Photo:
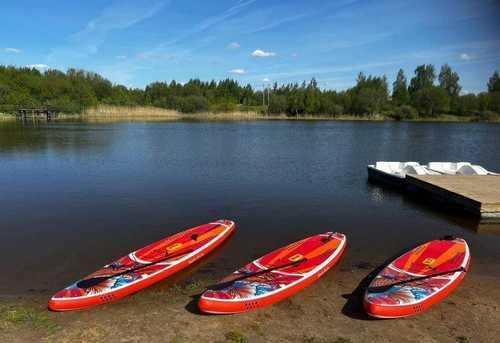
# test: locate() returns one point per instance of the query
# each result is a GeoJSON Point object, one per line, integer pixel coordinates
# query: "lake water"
{"type": "Point", "coordinates": [74, 196]}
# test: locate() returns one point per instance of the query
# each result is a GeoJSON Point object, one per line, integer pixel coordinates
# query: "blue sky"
{"type": "Point", "coordinates": [135, 42]}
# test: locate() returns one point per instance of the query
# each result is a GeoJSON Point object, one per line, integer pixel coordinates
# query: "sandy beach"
{"type": "Point", "coordinates": [328, 311]}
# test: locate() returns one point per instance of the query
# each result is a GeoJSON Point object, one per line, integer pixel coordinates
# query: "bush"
{"type": "Point", "coordinates": [191, 104]}
{"type": "Point", "coordinates": [224, 107]}
{"type": "Point", "coordinates": [404, 112]}
{"type": "Point", "coordinates": [489, 115]}
{"type": "Point", "coordinates": [329, 107]}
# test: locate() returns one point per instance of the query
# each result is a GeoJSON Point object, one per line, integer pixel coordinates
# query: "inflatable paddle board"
{"type": "Point", "coordinates": [143, 267]}
{"type": "Point", "coordinates": [275, 276]}
{"type": "Point", "coordinates": [389, 295]}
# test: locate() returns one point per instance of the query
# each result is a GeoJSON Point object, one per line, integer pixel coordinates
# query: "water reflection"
{"type": "Point", "coordinates": [76, 195]}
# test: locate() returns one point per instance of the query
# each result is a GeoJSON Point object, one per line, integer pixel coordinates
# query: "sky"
{"type": "Point", "coordinates": [136, 42]}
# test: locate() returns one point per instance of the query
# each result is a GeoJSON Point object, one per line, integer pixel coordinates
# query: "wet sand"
{"type": "Point", "coordinates": [327, 311]}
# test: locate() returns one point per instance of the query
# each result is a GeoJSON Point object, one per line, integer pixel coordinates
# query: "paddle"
{"type": "Point", "coordinates": [87, 283]}
{"type": "Point", "coordinates": [380, 289]}
{"type": "Point", "coordinates": [223, 285]}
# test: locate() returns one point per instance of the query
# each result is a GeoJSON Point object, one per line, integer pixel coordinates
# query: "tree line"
{"type": "Point", "coordinates": [426, 94]}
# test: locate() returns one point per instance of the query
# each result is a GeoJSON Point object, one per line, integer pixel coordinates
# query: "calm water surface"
{"type": "Point", "coordinates": [74, 196]}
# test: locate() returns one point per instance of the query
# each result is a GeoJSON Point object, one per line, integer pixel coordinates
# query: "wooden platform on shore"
{"type": "Point", "coordinates": [477, 194]}
{"type": "Point", "coordinates": [37, 113]}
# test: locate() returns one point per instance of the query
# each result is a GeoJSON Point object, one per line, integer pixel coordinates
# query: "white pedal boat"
{"type": "Point", "coordinates": [394, 173]}
{"type": "Point", "coordinates": [458, 168]}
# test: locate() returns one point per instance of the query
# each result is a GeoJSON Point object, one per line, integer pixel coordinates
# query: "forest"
{"type": "Point", "coordinates": [426, 94]}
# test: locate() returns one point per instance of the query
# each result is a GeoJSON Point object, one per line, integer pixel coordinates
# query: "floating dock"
{"type": "Point", "coordinates": [477, 194]}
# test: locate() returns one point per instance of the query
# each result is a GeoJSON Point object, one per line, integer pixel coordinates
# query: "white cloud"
{"type": "Point", "coordinates": [465, 57]}
{"type": "Point", "coordinates": [118, 15]}
{"type": "Point", "coordinates": [279, 22]}
{"type": "Point", "coordinates": [262, 53]}
{"type": "Point", "coordinates": [234, 45]}
{"type": "Point", "coordinates": [38, 66]}
{"type": "Point", "coordinates": [308, 72]}
{"type": "Point", "coordinates": [238, 71]}
{"type": "Point", "coordinates": [12, 50]}
{"type": "Point", "coordinates": [121, 57]}
{"type": "Point", "coordinates": [294, 54]}
{"type": "Point", "coordinates": [266, 79]}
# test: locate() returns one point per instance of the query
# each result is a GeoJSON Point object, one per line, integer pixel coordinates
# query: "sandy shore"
{"type": "Point", "coordinates": [328, 311]}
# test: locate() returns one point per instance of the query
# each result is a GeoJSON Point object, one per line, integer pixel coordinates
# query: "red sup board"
{"type": "Point", "coordinates": [307, 261]}
{"type": "Point", "coordinates": [185, 247]}
{"type": "Point", "coordinates": [382, 300]}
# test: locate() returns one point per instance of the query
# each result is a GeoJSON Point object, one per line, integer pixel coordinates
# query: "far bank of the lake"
{"type": "Point", "coordinates": [106, 113]}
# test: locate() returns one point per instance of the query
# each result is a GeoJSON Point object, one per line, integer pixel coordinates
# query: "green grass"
{"type": "Point", "coordinates": [194, 286]}
{"type": "Point", "coordinates": [27, 316]}
{"type": "Point", "coordinates": [235, 336]}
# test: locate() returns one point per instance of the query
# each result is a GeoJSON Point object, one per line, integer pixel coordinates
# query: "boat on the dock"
{"type": "Point", "coordinates": [394, 173]}
{"type": "Point", "coordinates": [458, 168]}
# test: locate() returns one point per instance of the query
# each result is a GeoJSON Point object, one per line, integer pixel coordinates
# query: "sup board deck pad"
{"type": "Point", "coordinates": [413, 297]}
{"type": "Point", "coordinates": [320, 253]}
{"type": "Point", "coordinates": [195, 242]}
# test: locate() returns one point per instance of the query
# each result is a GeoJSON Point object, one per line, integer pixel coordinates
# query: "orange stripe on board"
{"type": "Point", "coordinates": [331, 245]}
{"type": "Point", "coordinates": [160, 245]}
{"type": "Point", "coordinates": [286, 251]}
{"type": "Point", "coordinates": [415, 256]}
{"type": "Point", "coordinates": [207, 235]}
{"type": "Point", "coordinates": [452, 251]}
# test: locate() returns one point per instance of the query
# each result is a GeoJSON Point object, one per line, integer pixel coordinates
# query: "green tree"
{"type": "Point", "coordinates": [424, 78]}
{"type": "Point", "coordinates": [448, 80]}
{"type": "Point", "coordinates": [370, 94]}
{"type": "Point", "coordinates": [400, 95]}
{"type": "Point", "coordinates": [431, 101]}
{"type": "Point", "coordinates": [277, 104]}
{"type": "Point", "coordinates": [494, 82]}
{"type": "Point", "coordinates": [329, 105]}
{"type": "Point", "coordinates": [494, 101]}
{"type": "Point", "coordinates": [466, 105]}
{"type": "Point", "coordinates": [312, 102]}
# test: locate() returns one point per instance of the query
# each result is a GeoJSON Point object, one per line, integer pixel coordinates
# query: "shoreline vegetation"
{"type": "Point", "coordinates": [110, 113]}
{"type": "Point", "coordinates": [427, 96]}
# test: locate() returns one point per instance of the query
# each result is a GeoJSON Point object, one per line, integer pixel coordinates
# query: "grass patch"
{"type": "Point", "coordinates": [194, 286]}
{"type": "Point", "coordinates": [235, 336]}
{"type": "Point", "coordinates": [313, 339]}
{"type": "Point", "coordinates": [26, 316]}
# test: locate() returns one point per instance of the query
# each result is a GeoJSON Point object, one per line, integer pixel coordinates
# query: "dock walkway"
{"type": "Point", "coordinates": [478, 194]}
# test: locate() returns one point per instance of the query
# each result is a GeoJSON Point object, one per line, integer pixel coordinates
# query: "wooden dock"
{"type": "Point", "coordinates": [478, 194]}
{"type": "Point", "coordinates": [37, 113]}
